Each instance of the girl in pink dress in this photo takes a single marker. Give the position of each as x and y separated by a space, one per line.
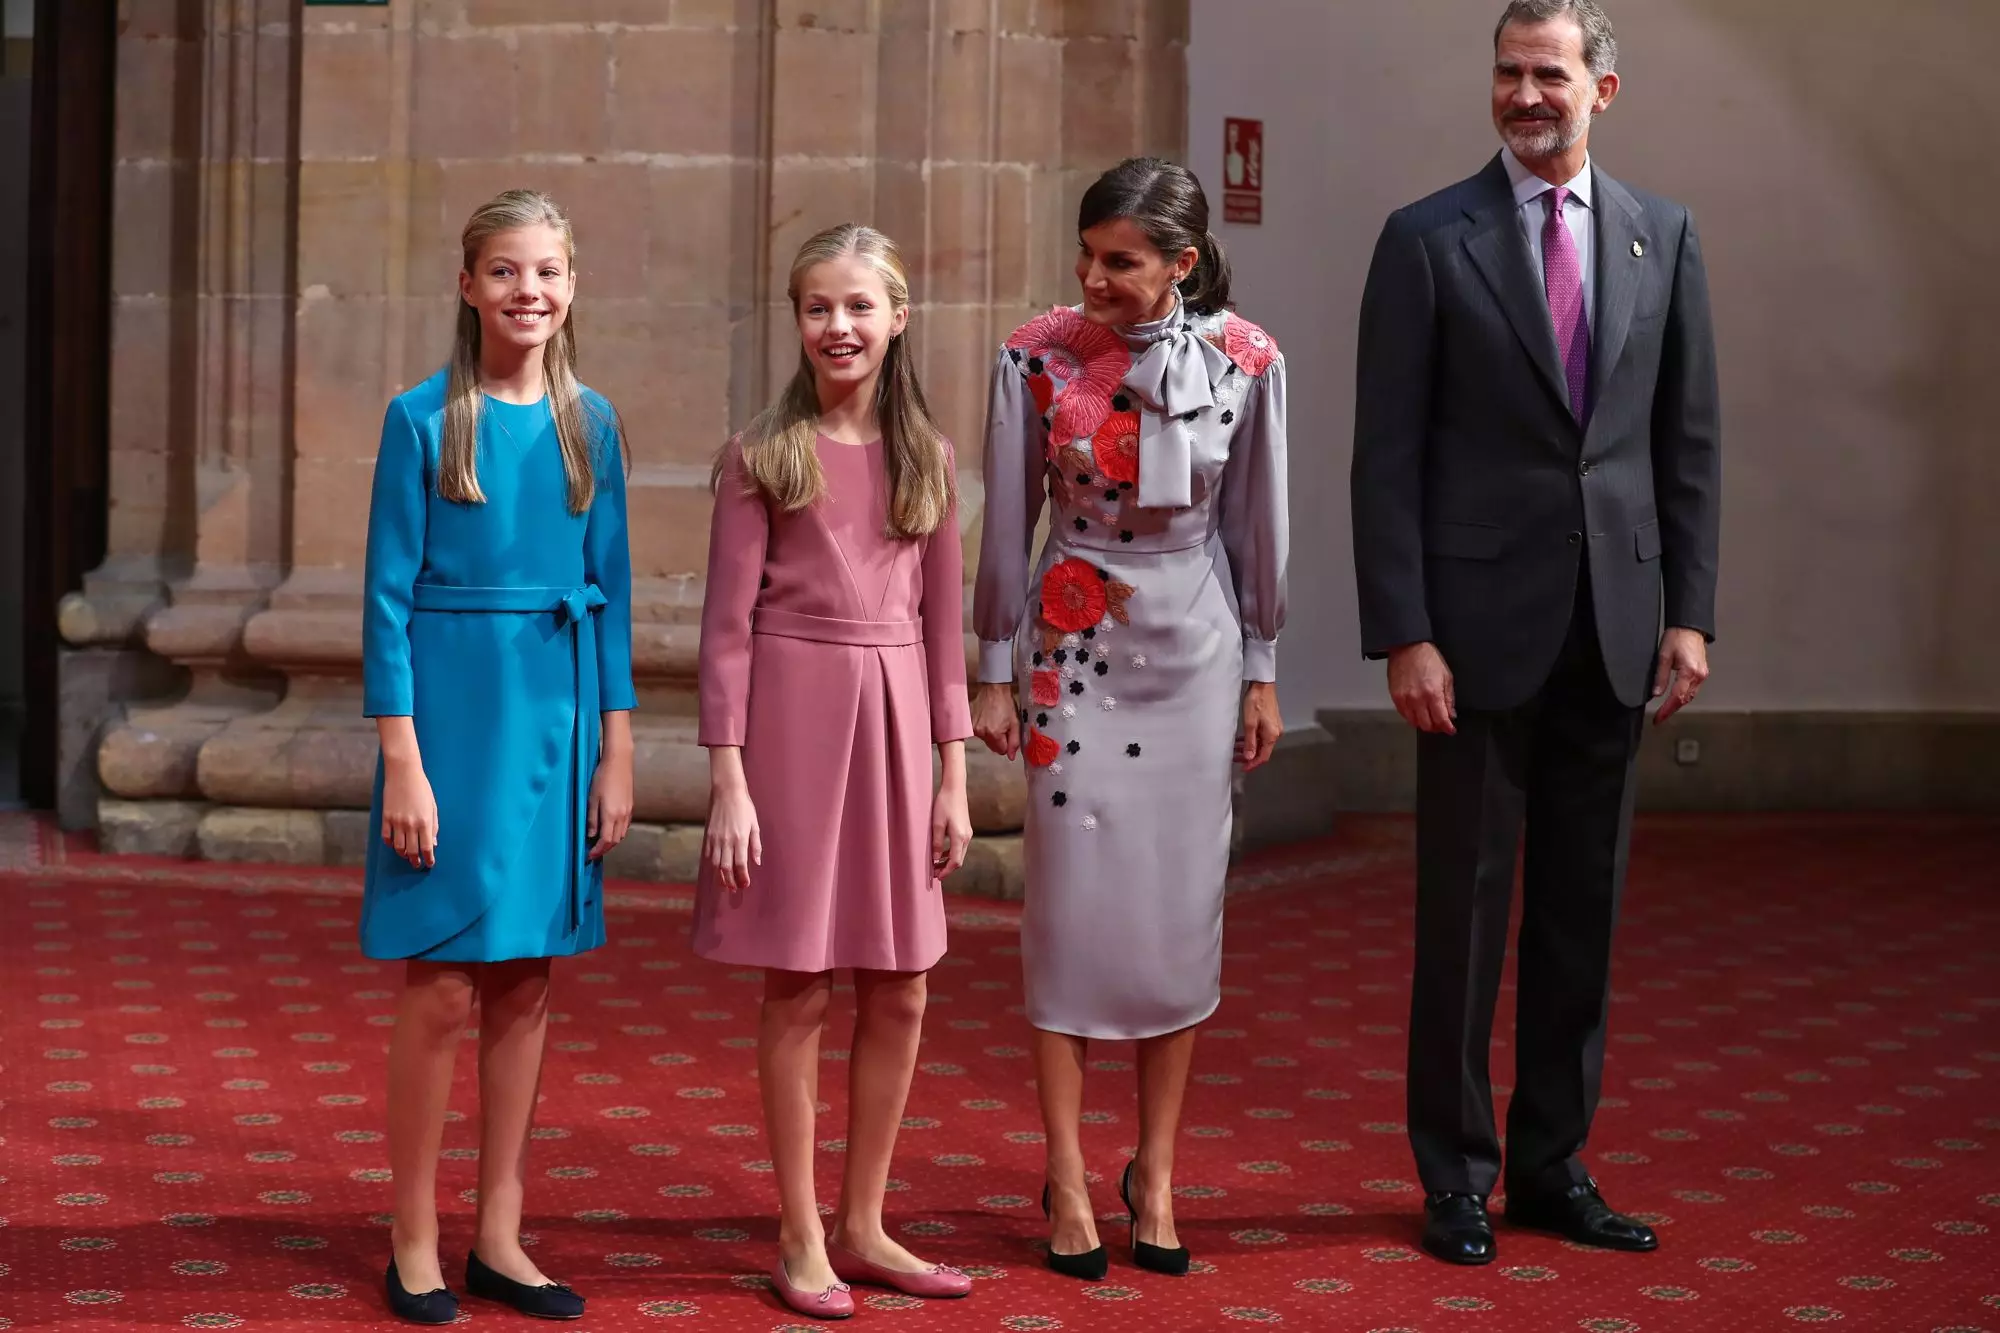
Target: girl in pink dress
832 660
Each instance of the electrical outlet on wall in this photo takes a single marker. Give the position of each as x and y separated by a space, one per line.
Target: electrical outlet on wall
1687 750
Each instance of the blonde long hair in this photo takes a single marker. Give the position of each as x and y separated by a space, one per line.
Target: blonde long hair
458 452
779 459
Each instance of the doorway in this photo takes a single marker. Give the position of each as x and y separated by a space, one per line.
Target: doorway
56 101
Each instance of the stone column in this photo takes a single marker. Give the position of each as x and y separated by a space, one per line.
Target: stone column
696 143
201 396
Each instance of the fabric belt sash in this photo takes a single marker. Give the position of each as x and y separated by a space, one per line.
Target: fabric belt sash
825 629
571 607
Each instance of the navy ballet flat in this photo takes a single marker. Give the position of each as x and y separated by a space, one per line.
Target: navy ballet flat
437 1306
552 1300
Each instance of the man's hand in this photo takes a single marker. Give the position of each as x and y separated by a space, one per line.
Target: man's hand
1684 661
1420 684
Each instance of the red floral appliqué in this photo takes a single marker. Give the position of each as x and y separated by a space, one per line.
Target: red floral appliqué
1043 390
1252 349
1041 748
1088 358
1116 447
1073 596
1047 689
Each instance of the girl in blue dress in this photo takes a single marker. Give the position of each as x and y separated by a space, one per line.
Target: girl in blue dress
497 662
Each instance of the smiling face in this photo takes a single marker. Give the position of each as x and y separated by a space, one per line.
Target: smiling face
521 284
1125 278
1544 97
847 320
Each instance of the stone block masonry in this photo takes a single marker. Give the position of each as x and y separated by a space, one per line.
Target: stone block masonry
290 182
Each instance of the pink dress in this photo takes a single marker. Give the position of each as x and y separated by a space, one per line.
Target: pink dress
835 656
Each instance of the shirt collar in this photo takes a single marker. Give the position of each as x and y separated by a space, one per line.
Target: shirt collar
1527 185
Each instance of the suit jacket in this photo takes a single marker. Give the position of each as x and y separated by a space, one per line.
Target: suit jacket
1476 494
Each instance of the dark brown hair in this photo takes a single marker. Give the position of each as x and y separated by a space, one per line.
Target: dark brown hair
1167 203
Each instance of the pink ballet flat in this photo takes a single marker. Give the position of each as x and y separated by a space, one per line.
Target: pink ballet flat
938 1282
833 1303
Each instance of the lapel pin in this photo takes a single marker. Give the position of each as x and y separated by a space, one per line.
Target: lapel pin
1638 249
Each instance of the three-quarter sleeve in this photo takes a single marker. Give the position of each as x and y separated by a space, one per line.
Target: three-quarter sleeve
397 517
1256 520
1015 479
607 562
943 604
737 537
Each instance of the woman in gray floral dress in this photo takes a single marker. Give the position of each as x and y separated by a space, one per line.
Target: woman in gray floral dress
1134 660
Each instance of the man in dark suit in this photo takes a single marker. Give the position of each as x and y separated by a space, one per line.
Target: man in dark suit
1536 487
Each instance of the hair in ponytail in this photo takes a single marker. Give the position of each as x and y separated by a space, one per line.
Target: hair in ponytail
779 459
1167 203
581 440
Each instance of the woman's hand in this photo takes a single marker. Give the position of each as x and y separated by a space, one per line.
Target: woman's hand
611 787
409 810
994 719
951 818
731 842
1261 724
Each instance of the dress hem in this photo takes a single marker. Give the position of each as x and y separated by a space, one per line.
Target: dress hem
510 958
735 959
1197 1021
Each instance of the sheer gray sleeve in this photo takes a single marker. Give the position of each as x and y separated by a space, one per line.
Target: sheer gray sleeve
1015 491
1256 522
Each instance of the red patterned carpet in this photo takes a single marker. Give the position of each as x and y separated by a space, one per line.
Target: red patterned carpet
1800 1095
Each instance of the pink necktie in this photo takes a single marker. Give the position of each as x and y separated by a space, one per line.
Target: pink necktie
1562 274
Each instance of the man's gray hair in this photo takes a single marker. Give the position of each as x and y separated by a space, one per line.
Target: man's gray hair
1600 44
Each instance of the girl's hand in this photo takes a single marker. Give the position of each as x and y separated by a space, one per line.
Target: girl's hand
1261 725
409 811
731 842
951 829
994 719
610 801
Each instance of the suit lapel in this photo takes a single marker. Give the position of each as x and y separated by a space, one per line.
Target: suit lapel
1500 252
1620 226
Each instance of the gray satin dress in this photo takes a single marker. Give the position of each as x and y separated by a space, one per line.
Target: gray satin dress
1160 590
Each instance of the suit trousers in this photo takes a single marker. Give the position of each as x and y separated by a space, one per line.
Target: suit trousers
1562 765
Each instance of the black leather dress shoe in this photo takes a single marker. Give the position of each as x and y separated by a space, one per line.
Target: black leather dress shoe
1458 1230
436 1306
1580 1214
550 1301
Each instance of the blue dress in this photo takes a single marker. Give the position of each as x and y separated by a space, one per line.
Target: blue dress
503 630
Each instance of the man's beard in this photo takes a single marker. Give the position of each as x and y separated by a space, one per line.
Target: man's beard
1538 139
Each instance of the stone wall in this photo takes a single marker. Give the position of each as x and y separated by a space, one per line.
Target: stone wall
290 185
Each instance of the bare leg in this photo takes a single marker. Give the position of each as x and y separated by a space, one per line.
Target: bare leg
513 1023
430 1015
889 1020
1163 1074
795 1005
1059 1084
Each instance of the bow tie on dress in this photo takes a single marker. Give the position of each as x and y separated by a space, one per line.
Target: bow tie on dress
580 602
1173 379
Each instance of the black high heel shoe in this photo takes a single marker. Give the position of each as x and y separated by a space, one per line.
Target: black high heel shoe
552 1300
437 1306
1091 1265
1153 1258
